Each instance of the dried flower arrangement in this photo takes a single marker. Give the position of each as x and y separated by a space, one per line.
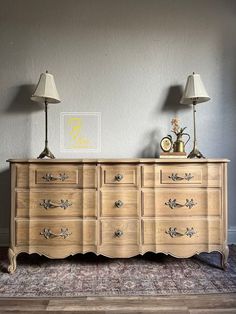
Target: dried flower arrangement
176 127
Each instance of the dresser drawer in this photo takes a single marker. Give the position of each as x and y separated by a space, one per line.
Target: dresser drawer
63 175
59 203
55 232
122 175
181 231
181 202
182 175
119 232
121 203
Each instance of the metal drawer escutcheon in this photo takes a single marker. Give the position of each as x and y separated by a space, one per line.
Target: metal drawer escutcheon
118 233
48 234
119 177
119 204
174 204
174 233
49 204
176 177
49 177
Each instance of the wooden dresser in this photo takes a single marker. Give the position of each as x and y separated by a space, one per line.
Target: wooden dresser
118 208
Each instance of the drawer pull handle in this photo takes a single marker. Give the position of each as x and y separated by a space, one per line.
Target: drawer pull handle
176 177
174 233
119 177
49 204
119 204
174 204
48 234
118 233
49 177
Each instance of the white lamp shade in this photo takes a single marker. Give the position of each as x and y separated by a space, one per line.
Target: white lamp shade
46 90
194 90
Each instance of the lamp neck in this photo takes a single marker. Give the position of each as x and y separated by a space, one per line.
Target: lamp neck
46 123
194 124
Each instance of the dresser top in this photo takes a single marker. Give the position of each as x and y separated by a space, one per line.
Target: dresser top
125 160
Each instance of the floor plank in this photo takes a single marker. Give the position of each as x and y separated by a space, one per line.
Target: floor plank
211 311
181 304
16 304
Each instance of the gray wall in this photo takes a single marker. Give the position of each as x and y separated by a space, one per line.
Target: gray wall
127 59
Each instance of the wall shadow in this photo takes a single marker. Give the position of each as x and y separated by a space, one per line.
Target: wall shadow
21 102
5 197
18 112
172 105
152 147
20 109
172 101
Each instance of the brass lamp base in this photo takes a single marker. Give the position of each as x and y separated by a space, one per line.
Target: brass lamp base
46 153
195 153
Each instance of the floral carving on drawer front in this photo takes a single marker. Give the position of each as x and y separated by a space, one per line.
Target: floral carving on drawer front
176 177
190 203
50 204
173 232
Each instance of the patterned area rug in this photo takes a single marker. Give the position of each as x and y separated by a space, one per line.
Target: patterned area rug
89 275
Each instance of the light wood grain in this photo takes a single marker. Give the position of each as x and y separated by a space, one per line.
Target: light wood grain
129 207
22 175
81 203
119 251
201 175
156 231
167 173
128 173
56 251
75 175
156 202
128 227
121 160
147 189
183 251
28 232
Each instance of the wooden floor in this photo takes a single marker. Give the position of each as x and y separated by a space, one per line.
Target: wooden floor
186 304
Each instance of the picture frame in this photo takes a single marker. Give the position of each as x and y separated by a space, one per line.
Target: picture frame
80 132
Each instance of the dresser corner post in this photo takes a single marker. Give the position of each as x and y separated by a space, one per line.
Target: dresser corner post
12 260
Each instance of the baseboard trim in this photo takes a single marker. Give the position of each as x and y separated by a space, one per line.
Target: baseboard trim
232 235
4 236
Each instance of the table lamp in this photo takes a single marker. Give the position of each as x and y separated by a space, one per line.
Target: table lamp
194 93
46 92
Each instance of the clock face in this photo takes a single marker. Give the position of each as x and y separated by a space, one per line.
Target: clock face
166 144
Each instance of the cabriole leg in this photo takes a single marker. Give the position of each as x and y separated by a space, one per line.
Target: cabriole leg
12 261
224 257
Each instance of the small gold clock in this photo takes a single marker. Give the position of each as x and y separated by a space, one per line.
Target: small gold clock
166 143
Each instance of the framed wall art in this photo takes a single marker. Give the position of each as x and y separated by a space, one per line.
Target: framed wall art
80 132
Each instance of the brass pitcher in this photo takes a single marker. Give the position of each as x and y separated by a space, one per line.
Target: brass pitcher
179 144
